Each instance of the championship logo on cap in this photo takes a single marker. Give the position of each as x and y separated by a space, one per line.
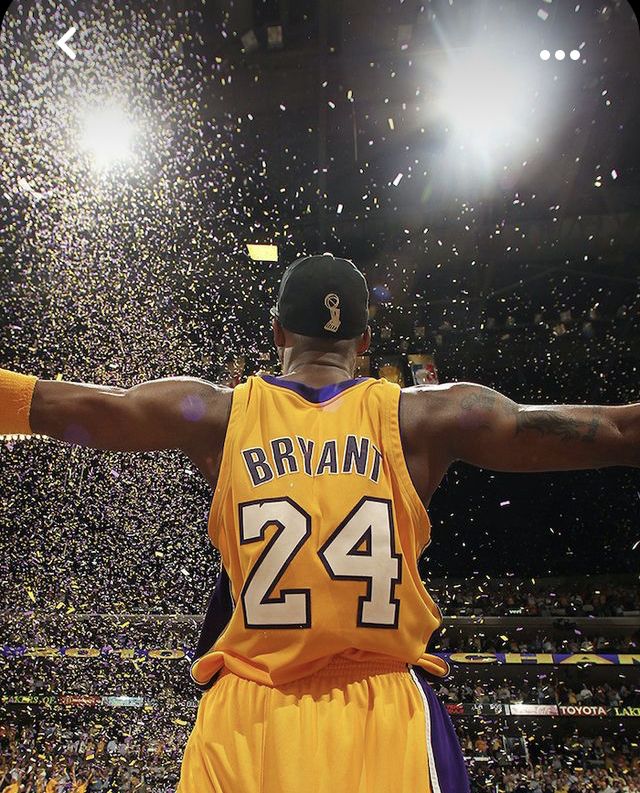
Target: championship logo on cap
332 302
314 284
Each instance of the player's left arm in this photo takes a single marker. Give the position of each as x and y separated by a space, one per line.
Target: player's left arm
171 413
482 427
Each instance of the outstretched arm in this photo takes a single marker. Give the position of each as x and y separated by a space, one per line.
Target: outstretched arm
159 414
482 427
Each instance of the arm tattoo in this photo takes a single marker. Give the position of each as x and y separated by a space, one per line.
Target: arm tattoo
548 423
593 428
477 401
474 410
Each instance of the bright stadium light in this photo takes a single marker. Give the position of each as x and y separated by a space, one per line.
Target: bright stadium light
482 101
574 55
107 136
560 55
545 55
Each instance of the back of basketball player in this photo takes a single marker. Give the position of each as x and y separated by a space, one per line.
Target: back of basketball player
313 651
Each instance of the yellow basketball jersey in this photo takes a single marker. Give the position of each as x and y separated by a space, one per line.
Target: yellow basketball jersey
320 530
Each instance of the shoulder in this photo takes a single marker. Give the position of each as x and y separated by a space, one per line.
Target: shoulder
436 413
218 398
434 400
430 390
423 416
198 384
204 406
446 398
444 390
198 396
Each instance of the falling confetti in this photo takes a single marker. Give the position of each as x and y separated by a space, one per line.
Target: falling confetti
125 260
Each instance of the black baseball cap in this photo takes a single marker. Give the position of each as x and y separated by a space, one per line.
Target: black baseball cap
324 297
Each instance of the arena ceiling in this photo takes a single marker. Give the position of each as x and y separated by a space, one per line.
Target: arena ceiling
351 102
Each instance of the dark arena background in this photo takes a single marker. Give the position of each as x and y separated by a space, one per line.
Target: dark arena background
480 162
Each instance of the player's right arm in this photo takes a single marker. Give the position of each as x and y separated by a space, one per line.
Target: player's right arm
159 414
173 413
481 426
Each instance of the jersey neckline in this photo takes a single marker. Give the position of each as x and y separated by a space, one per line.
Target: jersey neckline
314 395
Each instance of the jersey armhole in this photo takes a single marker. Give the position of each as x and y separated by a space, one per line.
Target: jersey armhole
239 400
400 463
419 510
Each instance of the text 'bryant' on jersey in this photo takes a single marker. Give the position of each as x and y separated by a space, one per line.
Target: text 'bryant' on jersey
292 455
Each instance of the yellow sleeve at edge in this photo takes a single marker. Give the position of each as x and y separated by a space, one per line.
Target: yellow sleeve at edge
16 393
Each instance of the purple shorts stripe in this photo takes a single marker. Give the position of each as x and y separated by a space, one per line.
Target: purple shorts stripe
446 763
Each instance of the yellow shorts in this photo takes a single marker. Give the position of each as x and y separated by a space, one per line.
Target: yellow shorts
349 728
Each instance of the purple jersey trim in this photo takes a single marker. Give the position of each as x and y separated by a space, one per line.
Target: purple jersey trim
314 395
219 612
445 752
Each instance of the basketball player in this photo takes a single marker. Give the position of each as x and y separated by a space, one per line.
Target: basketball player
313 652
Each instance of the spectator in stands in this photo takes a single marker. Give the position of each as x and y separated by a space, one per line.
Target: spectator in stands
584 696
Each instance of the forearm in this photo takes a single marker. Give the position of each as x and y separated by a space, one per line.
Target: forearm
485 428
573 437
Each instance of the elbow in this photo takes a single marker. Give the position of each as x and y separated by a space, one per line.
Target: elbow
627 448
626 420
634 452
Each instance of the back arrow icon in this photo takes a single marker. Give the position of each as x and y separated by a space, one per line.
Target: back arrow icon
63 43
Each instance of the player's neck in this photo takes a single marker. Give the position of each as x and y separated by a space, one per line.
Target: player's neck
316 370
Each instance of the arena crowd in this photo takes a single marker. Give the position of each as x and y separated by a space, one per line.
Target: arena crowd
66 755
